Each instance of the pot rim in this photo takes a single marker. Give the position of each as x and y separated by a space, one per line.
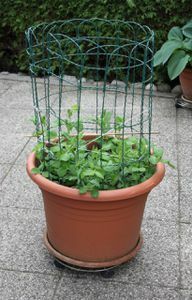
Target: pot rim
105 195
187 70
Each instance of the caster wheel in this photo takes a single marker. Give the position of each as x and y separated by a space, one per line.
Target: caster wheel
58 264
177 105
108 273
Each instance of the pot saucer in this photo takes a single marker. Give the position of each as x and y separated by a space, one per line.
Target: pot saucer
73 263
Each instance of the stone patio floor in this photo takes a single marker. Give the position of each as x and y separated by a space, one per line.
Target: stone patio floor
161 270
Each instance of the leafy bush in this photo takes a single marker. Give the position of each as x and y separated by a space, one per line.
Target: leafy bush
18 15
176 52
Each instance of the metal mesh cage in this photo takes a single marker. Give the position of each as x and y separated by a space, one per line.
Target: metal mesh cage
106 59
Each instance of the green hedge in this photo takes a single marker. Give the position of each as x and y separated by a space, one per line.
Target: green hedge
18 15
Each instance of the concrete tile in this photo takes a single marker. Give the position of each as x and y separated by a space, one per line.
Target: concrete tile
14 121
163 108
19 95
186 199
89 289
185 295
157 262
184 129
19 190
165 126
186 255
162 202
4 169
26 286
4 86
183 113
22 159
21 242
11 146
169 146
185 159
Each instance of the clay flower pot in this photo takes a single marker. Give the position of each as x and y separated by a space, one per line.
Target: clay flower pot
93 232
186 83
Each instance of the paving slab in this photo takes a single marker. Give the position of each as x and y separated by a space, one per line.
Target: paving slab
21 242
19 96
4 169
163 202
186 294
185 159
184 126
165 126
81 289
186 256
22 192
163 107
22 159
15 121
11 147
169 145
26 286
186 199
4 87
157 262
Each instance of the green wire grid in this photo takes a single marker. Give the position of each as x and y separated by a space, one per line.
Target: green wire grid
112 55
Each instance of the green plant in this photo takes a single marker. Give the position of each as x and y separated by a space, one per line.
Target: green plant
176 52
105 163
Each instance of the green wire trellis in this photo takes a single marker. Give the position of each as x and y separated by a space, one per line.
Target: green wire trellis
112 55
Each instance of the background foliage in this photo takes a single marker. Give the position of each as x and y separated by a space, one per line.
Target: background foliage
18 15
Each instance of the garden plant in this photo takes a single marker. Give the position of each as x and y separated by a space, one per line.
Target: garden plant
94 161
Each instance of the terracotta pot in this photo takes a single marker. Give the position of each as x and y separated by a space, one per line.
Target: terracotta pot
90 232
186 83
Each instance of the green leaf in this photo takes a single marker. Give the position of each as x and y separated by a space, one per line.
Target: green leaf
162 56
95 193
43 120
55 164
175 34
45 174
83 190
95 182
158 152
65 157
35 171
153 160
187 44
177 63
87 172
131 3
132 140
187 29
98 174
107 146
52 134
61 172
169 163
140 170
75 108
34 120
55 149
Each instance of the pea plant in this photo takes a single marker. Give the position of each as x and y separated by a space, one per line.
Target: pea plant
99 163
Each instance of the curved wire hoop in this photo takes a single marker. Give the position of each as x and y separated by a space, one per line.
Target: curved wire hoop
106 59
